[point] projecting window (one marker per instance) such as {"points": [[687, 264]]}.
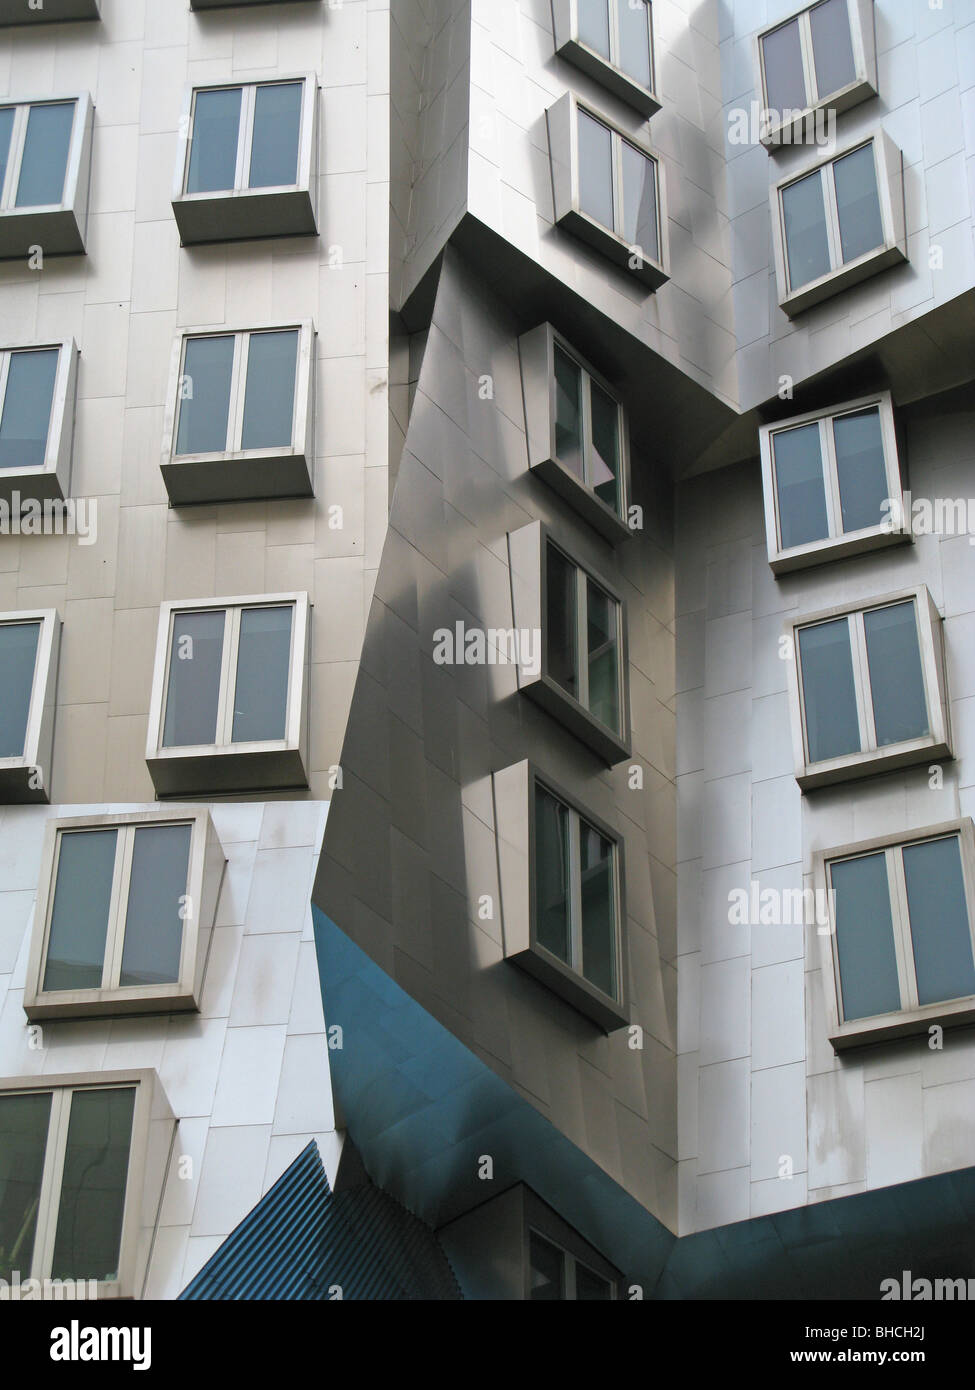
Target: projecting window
{"points": [[870, 689], [124, 912], [45, 157], [50, 11], [77, 1159], [612, 40], [823, 57], [832, 483], [228, 695], [839, 223], [902, 947], [37, 390], [28, 670], [248, 165], [556, 1275], [609, 189], [240, 417]]}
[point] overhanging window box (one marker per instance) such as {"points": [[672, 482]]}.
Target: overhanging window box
{"points": [[868, 689], [125, 909], [609, 189], [83, 1162], [839, 223], [51, 11], [833, 484], [248, 162], [822, 59], [612, 41], [29, 645], [576, 668], [229, 703], [37, 405], [577, 436], [45, 164], [899, 956], [240, 414], [561, 872]]}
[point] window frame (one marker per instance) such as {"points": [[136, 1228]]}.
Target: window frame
{"points": [[864, 84], [260, 764], [570, 1262], [243, 213], [61, 228], [569, 45], [204, 876], [236, 474], [16, 774], [839, 544], [50, 480], [562, 120], [889, 171], [911, 1018], [15, 13], [872, 759], [153, 1131]]}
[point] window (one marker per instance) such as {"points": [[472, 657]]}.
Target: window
{"points": [[832, 484], [822, 57], [37, 399], [124, 913], [240, 421], [609, 189], [901, 952], [611, 40], [576, 425], [248, 164], [51, 11], [82, 1163], [228, 702], [45, 157], [29, 644], [869, 686], [557, 1275], [839, 223]]}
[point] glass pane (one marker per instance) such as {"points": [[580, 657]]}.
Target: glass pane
{"points": [[96, 1161], [634, 45], [560, 622], [153, 926], [806, 245], [865, 937], [597, 861], [640, 202], [785, 82], [940, 934], [858, 204], [213, 153], [900, 710], [596, 170], [45, 160], [204, 407], [552, 874], [269, 397], [18, 659], [603, 641], [27, 405], [6, 129], [605, 457], [594, 25], [799, 487], [828, 693], [79, 921], [193, 692], [832, 46], [547, 1270], [590, 1288], [860, 469], [263, 667], [24, 1122], [568, 412], [274, 148]]}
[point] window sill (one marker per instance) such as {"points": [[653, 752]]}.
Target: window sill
{"points": [[57, 231], [239, 477], [237, 768], [836, 548], [609, 525], [245, 215], [801, 128], [610, 77], [576, 718], [54, 12], [855, 765], [608, 1013], [110, 1003], [613, 247], [861, 1032], [843, 279], [16, 775]]}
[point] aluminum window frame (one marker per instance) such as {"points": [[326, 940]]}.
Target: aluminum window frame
{"points": [[570, 1262], [912, 1017], [60, 228], [864, 84], [17, 774], [870, 758], [204, 875], [608, 72], [50, 480], [838, 543]]}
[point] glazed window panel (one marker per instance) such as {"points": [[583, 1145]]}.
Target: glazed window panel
{"points": [[237, 392], [583, 638], [18, 669], [246, 136]]}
